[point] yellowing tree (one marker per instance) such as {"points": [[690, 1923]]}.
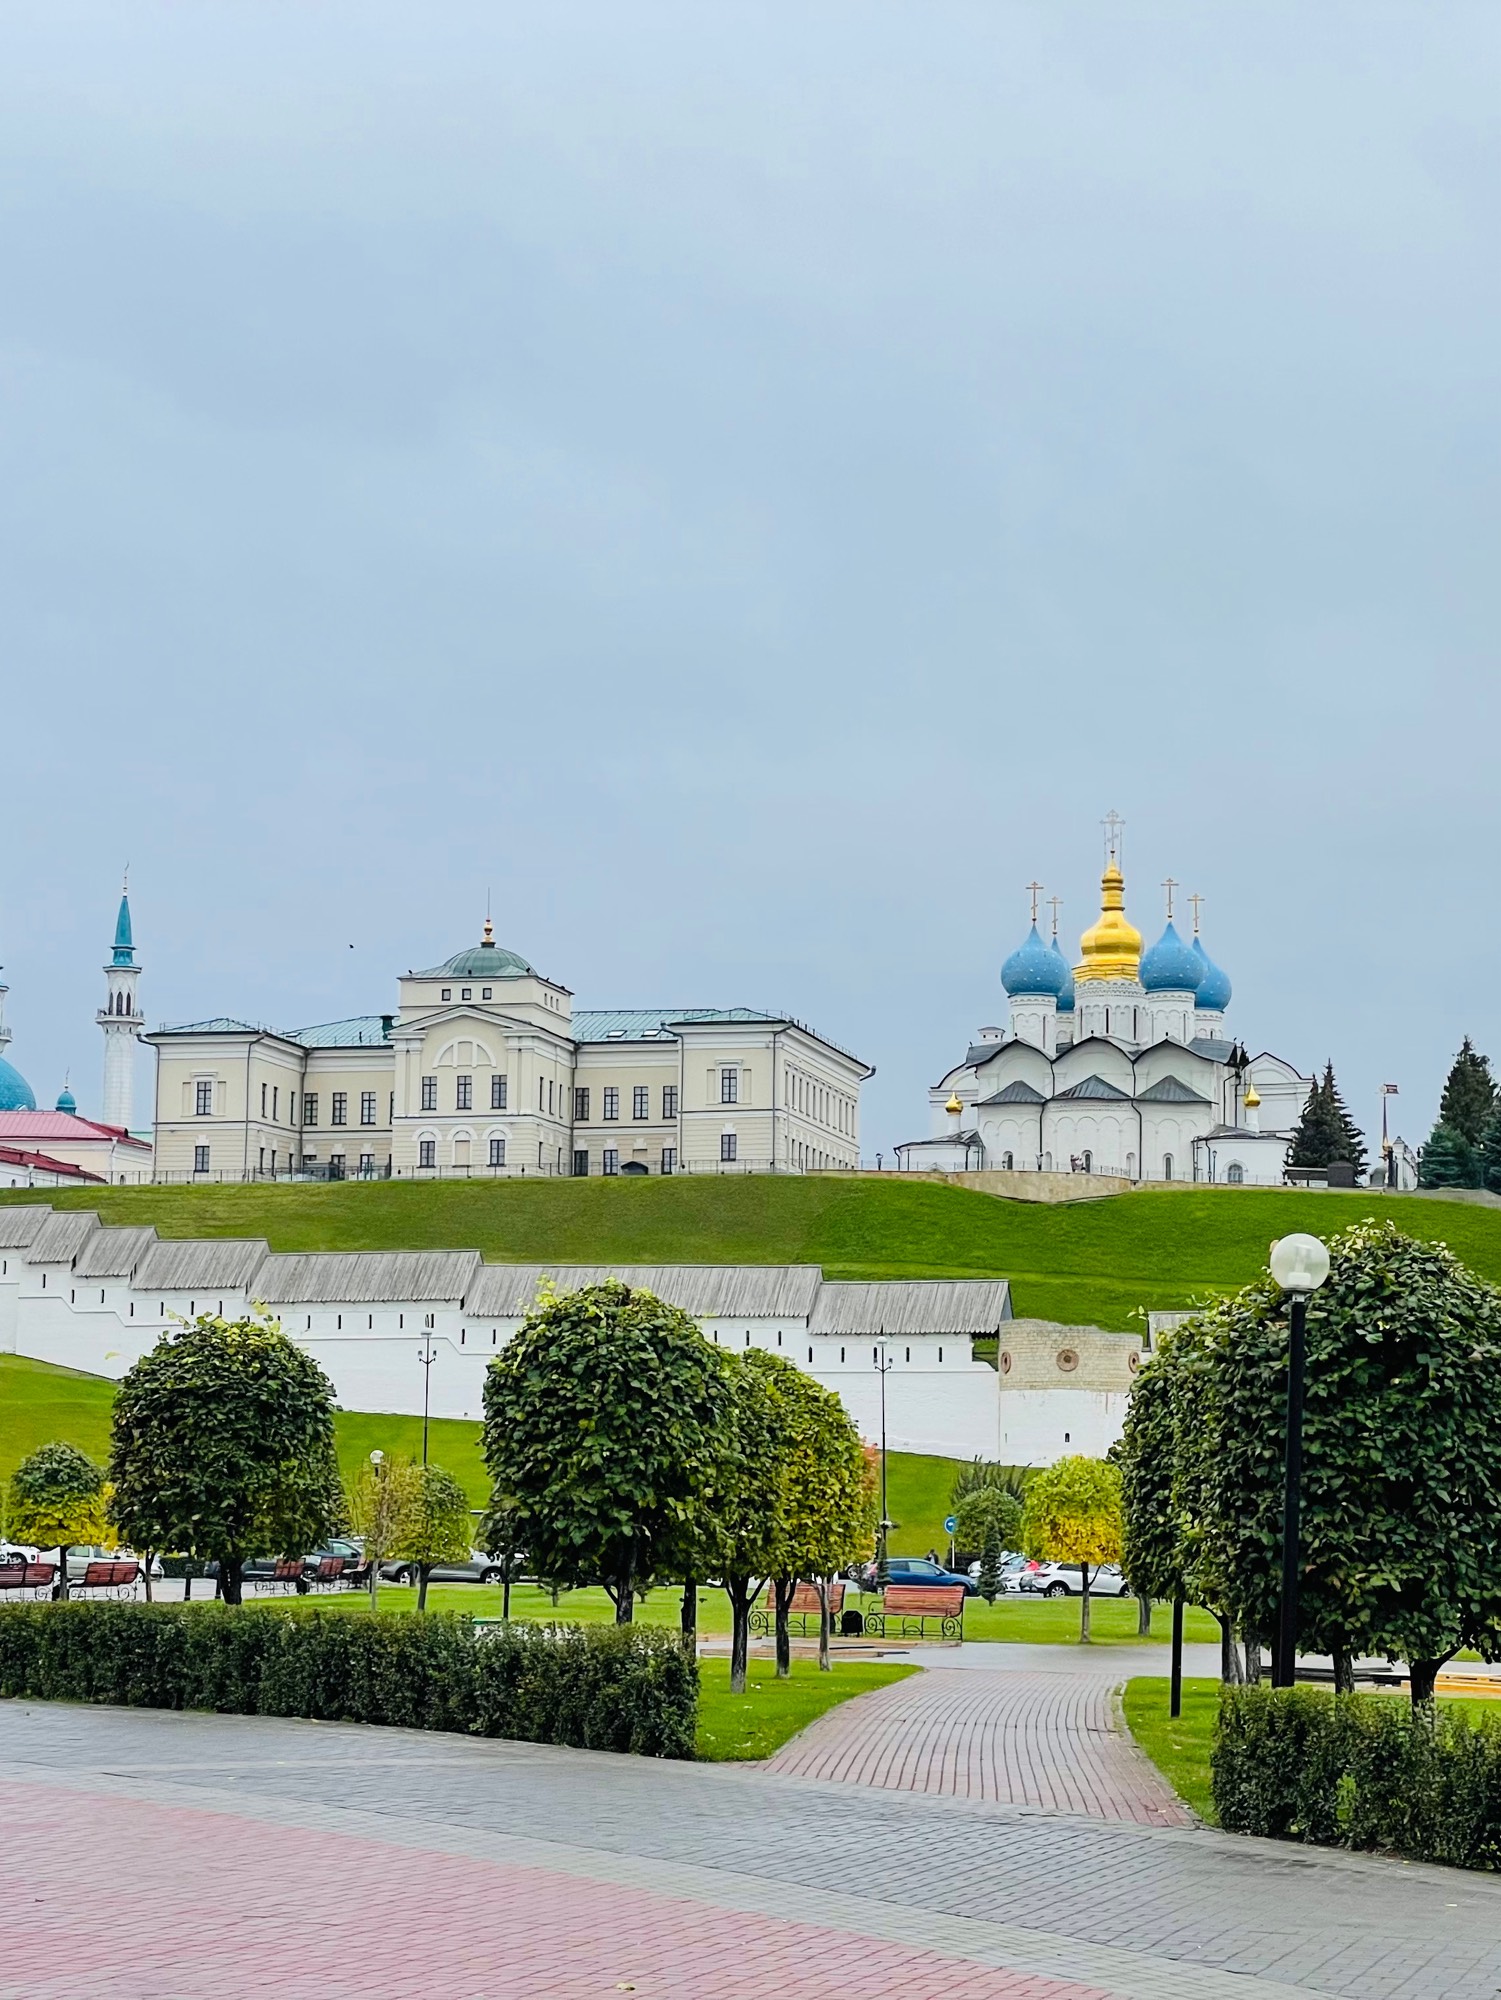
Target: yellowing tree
{"points": [[379, 1505], [1073, 1515], [58, 1500]]}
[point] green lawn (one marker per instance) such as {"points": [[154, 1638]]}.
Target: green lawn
{"points": [[1083, 1261], [1180, 1749], [759, 1722]]}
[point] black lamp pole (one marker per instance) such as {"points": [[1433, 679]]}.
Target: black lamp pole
{"points": [[427, 1357], [1287, 1627], [883, 1367]]}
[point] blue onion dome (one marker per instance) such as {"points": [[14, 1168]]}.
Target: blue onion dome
{"points": [[1171, 966], [1066, 991], [66, 1101], [1214, 989], [15, 1091], [1033, 969]]}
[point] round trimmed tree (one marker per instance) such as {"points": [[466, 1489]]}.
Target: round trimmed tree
{"points": [[57, 1501], [223, 1446]]}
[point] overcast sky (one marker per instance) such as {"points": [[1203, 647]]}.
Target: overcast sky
{"points": [[750, 487]]}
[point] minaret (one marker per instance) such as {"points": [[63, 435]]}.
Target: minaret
{"points": [[121, 1021]]}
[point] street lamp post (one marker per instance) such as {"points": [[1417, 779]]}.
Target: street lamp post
{"points": [[427, 1355], [1300, 1264], [883, 1366], [372, 1557]]}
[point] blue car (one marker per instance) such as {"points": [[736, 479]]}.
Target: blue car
{"points": [[917, 1569]]}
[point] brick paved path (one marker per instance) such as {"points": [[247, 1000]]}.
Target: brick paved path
{"points": [[1046, 1739], [237, 1856]]}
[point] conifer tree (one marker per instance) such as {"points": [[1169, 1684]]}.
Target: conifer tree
{"points": [[1353, 1139], [1469, 1095], [1320, 1137], [1490, 1153], [1449, 1160], [989, 1579]]}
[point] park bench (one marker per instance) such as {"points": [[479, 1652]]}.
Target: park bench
{"points": [[118, 1578], [328, 1575], [911, 1605], [803, 1607], [287, 1574], [31, 1579]]}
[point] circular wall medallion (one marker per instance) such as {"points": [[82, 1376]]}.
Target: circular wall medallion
{"points": [[1133, 1362], [1068, 1361], [1005, 1364]]}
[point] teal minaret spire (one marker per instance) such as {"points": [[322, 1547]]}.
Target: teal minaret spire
{"points": [[125, 951], [121, 1019]]}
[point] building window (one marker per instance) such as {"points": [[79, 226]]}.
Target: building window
{"points": [[497, 1093], [446, 994], [486, 992], [1235, 1173], [641, 1101], [1167, 1166], [669, 1101], [1008, 1162], [669, 1159], [367, 1107], [612, 1102], [581, 1162], [580, 1105], [551, 1107], [427, 1152], [275, 1102], [466, 992], [497, 1152], [200, 1159], [340, 1107], [609, 1161], [263, 1100], [729, 1086], [310, 1108], [463, 1093], [203, 1100], [727, 1146], [429, 1093], [367, 1166]]}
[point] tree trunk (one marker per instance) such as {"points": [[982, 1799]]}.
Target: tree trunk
{"points": [[374, 1579], [187, 1580], [825, 1665], [1143, 1617], [146, 1577], [505, 1590], [1084, 1605], [60, 1585], [1421, 1676], [1344, 1670], [230, 1579], [1231, 1670], [424, 1571], [1253, 1660], [782, 1591], [623, 1591], [742, 1596], [689, 1620]]}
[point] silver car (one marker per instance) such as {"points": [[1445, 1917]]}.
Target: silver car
{"points": [[1052, 1579]]}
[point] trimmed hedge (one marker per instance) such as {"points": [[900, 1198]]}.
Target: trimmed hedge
{"points": [[1361, 1771], [593, 1687]]}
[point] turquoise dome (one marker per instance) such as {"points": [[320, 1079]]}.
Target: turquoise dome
{"points": [[15, 1091], [1171, 966], [479, 961], [1066, 991], [1214, 989], [66, 1101], [1033, 969]]}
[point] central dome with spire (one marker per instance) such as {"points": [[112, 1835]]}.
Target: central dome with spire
{"points": [[1111, 948], [485, 960]]}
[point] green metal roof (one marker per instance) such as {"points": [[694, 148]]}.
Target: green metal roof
{"points": [[361, 1031], [479, 961], [651, 1024]]}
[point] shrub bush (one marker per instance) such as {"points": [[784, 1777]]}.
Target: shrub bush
{"points": [[593, 1688], [1361, 1771]]}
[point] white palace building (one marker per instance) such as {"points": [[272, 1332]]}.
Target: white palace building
{"points": [[1122, 1065]]}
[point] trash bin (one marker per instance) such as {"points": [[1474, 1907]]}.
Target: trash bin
{"points": [[851, 1625]]}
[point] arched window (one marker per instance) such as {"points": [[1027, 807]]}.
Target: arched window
{"points": [[1007, 1163], [1086, 1161], [1167, 1166], [1235, 1173]]}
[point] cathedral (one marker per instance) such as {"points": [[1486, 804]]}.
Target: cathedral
{"points": [[1122, 1065]]}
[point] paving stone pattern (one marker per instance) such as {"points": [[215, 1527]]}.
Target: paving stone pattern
{"points": [[1022, 1739], [237, 1856]]}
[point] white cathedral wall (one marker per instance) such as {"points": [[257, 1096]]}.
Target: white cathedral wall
{"points": [[1010, 1132], [1039, 1426], [1109, 1137]]}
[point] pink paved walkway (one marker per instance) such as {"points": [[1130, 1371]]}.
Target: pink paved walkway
{"points": [[109, 1899], [1041, 1739]]}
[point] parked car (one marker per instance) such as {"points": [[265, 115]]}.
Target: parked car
{"points": [[79, 1557], [1013, 1568], [915, 1569], [480, 1568], [1052, 1579]]}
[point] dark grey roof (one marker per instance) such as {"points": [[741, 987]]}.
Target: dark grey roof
{"points": [[21, 1225], [981, 1052], [917, 1305], [1211, 1047], [709, 1291], [114, 1253], [62, 1237], [1093, 1089], [1017, 1092], [191, 1265], [364, 1277], [1170, 1090]]}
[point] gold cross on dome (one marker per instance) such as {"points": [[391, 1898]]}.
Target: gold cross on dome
{"points": [[1112, 823], [1054, 904], [1170, 885], [1035, 889], [1196, 900]]}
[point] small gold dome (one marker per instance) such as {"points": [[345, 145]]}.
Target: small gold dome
{"points": [[953, 1104], [1111, 949], [1251, 1099]]}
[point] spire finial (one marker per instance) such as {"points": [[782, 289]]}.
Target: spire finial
{"points": [[1054, 904], [488, 935], [1170, 884], [1035, 889], [1113, 823], [1196, 899]]}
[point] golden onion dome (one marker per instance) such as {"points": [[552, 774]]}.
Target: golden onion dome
{"points": [[1251, 1098], [1111, 949], [953, 1104]]}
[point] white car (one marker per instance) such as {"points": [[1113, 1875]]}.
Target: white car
{"points": [[1052, 1579]]}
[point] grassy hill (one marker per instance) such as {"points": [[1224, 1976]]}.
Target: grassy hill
{"points": [[1083, 1262], [40, 1403]]}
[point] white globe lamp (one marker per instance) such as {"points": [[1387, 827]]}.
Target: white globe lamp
{"points": [[1300, 1263]]}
